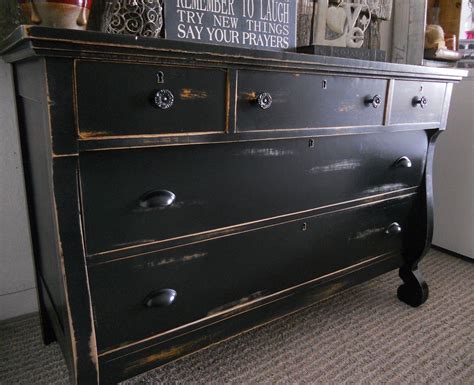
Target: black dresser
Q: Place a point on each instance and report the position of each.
(180, 194)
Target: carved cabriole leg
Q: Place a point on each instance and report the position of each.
(414, 290)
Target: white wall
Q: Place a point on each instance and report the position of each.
(17, 282)
(453, 174)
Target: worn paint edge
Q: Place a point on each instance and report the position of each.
(314, 211)
(58, 238)
(275, 296)
(389, 99)
(406, 70)
(92, 341)
(318, 133)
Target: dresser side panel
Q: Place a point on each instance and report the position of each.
(53, 199)
(76, 282)
(34, 136)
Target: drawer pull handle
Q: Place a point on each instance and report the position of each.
(164, 99)
(422, 102)
(264, 100)
(403, 162)
(393, 229)
(160, 199)
(160, 298)
(376, 101)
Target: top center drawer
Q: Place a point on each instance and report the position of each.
(283, 101)
(117, 99)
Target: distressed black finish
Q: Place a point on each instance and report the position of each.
(169, 210)
(205, 179)
(407, 106)
(268, 260)
(328, 101)
(107, 109)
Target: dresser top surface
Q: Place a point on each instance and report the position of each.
(27, 41)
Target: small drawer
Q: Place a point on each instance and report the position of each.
(416, 102)
(154, 293)
(280, 101)
(130, 99)
(139, 196)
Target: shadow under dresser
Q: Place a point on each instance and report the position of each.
(180, 194)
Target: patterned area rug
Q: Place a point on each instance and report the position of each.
(362, 336)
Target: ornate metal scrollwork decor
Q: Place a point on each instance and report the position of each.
(134, 17)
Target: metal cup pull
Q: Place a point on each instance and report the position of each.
(160, 298)
(159, 199)
(393, 229)
(403, 162)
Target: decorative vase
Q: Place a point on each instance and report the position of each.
(134, 17)
(72, 14)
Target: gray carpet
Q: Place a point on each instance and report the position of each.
(362, 336)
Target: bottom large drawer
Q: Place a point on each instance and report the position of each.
(212, 277)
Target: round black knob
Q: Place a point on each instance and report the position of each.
(422, 102)
(404, 162)
(160, 298)
(393, 229)
(164, 99)
(264, 100)
(376, 101)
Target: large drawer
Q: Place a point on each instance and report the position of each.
(417, 102)
(212, 277)
(126, 193)
(301, 100)
(121, 99)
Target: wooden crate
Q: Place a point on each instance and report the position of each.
(408, 31)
